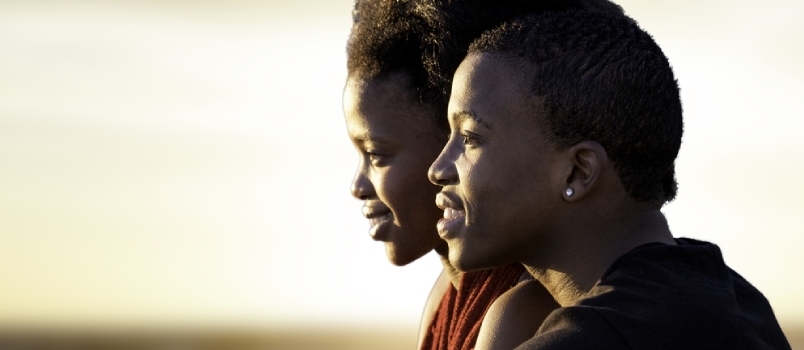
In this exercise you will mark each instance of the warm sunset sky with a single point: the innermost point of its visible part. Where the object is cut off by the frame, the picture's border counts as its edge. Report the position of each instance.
(187, 162)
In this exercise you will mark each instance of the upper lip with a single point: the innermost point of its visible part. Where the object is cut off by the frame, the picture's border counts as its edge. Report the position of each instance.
(374, 210)
(446, 200)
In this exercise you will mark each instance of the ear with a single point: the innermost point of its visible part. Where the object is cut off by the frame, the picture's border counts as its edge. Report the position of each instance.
(587, 160)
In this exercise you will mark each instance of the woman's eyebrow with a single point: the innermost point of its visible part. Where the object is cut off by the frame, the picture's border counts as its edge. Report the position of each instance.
(370, 138)
(462, 115)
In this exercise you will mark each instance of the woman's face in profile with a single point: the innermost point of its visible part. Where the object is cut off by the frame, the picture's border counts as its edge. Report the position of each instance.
(503, 178)
(397, 139)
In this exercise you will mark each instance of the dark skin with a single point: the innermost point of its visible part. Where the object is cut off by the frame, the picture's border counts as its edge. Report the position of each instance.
(397, 140)
(503, 329)
(504, 183)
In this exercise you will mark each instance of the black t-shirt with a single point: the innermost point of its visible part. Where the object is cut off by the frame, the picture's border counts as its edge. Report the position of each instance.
(659, 296)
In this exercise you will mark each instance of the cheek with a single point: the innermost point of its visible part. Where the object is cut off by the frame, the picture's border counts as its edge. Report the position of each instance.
(404, 189)
(480, 175)
(419, 212)
(383, 180)
(417, 189)
(492, 186)
(477, 191)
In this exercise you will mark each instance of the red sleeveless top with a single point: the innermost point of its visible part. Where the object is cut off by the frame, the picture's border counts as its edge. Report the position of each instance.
(456, 323)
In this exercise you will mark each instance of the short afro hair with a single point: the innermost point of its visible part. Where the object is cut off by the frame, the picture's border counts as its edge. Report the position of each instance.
(601, 78)
(427, 39)
(388, 38)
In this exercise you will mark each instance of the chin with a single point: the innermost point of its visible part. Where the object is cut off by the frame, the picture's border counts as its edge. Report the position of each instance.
(397, 257)
(468, 261)
(396, 261)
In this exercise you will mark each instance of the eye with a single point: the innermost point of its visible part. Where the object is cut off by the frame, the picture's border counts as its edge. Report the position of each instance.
(376, 158)
(471, 139)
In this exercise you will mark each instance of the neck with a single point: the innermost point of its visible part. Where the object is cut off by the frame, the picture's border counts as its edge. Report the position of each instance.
(571, 265)
(454, 274)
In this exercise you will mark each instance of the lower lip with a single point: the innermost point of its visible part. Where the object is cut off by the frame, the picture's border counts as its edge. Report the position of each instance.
(376, 230)
(449, 227)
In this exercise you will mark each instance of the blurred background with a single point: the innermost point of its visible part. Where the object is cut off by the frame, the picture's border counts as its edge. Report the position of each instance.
(177, 172)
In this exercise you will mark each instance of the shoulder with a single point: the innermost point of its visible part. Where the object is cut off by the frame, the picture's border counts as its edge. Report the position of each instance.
(576, 327)
(654, 293)
(515, 316)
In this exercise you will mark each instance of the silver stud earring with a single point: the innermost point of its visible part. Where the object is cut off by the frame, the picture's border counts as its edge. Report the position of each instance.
(569, 192)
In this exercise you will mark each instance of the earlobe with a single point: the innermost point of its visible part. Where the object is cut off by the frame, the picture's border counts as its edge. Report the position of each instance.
(588, 160)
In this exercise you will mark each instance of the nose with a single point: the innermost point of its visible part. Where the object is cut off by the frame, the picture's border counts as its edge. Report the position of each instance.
(361, 186)
(442, 172)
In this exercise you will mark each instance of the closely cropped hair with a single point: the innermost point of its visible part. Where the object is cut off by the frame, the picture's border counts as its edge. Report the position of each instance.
(457, 23)
(427, 39)
(604, 79)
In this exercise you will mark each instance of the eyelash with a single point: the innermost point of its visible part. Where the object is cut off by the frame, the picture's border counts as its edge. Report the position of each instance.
(471, 139)
(375, 158)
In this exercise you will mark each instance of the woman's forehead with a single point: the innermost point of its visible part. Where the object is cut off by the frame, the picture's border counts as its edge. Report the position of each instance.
(386, 109)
